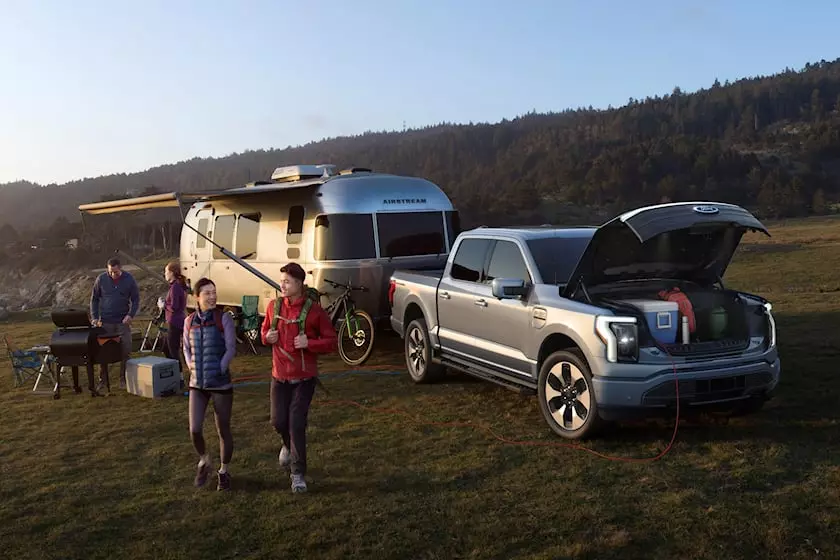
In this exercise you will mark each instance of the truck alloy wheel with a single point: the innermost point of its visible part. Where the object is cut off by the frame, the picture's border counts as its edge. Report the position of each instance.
(565, 394)
(418, 354)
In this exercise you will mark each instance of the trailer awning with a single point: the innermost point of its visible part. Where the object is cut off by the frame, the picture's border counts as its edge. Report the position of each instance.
(175, 199)
(166, 200)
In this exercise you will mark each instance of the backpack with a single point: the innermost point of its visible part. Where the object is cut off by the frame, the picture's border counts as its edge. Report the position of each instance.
(217, 318)
(311, 296)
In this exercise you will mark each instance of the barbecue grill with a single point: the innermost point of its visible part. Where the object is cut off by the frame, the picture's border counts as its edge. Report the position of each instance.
(77, 343)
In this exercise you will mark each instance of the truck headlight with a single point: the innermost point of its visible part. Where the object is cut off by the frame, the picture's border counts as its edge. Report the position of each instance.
(620, 335)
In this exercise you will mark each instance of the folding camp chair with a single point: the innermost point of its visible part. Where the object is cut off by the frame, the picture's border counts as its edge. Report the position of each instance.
(159, 323)
(26, 364)
(249, 320)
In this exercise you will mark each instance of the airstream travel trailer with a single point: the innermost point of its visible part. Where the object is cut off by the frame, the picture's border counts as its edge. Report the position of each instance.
(353, 227)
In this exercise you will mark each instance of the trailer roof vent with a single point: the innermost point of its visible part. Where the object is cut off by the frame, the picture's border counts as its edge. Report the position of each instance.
(292, 173)
(351, 170)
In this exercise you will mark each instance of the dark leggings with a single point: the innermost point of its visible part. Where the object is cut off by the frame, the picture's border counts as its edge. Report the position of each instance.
(289, 416)
(172, 342)
(222, 407)
(172, 348)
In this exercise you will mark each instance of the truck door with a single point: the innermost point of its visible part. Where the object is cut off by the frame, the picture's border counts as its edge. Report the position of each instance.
(458, 295)
(502, 326)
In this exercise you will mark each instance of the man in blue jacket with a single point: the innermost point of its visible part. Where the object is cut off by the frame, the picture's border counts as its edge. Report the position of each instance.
(114, 301)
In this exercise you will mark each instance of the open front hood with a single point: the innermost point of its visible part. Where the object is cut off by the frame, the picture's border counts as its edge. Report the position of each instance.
(687, 241)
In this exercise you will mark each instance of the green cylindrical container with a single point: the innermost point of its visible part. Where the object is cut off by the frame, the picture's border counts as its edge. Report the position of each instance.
(717, 322)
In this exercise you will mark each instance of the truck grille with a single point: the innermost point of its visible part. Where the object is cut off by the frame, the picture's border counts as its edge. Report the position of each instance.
(733, 345)
(699, 391)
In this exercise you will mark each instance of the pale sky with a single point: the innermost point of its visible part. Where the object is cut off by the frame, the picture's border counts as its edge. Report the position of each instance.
(93, 87)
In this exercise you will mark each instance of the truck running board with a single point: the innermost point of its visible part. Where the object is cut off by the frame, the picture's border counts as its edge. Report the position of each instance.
(507, 381)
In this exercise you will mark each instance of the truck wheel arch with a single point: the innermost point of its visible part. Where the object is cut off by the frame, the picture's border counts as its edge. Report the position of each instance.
(555, 342)
(412, 311)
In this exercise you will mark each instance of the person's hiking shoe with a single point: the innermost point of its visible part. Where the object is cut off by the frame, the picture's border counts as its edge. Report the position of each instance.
(285, 457)
(224, 482)
(298, 484)
(201, 475)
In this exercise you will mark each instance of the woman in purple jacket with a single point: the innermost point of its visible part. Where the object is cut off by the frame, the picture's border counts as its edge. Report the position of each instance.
(175, 311)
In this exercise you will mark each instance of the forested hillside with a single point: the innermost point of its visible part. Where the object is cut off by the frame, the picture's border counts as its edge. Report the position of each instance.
(771, 143)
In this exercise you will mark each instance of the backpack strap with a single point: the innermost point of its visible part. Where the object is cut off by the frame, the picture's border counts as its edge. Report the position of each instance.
(307, 303)
(217, 318)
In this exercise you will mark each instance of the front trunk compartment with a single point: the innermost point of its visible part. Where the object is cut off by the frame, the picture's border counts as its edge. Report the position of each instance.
(726, 321)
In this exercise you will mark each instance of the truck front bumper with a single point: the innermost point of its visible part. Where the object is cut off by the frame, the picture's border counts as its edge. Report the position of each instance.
(714, 385)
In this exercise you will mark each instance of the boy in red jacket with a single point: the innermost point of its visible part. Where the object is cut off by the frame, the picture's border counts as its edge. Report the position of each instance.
(295, 365)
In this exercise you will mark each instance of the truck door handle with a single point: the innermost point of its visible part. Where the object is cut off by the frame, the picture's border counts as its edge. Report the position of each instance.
(444, 295)
(480, 302)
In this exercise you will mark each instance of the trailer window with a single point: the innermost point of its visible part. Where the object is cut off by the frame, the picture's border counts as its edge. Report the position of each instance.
(406, 234)
(453, 226)
(247, 230)
(344, 236)
(200, 242)
(294, 229)
(223, 235)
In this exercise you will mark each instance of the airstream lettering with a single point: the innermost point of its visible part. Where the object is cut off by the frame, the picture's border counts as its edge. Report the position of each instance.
(353, 227)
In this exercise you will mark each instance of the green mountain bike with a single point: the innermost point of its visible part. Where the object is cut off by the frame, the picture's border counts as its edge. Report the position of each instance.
(355, 335)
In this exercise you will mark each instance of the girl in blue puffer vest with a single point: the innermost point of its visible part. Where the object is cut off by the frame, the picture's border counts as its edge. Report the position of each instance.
(209, 346)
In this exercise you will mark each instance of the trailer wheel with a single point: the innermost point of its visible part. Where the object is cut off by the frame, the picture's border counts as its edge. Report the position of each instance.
(418, 354)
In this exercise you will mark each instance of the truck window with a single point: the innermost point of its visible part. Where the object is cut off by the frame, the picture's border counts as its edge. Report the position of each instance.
(507, 262)
(247, 230)
(223, 234)
(557, 257)
(200, 242)
(405, 234)
(468, 264)
(294, 227)
(344, 236)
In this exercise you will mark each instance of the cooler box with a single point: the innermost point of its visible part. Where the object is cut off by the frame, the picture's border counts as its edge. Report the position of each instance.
(153, 376)
(662, 317)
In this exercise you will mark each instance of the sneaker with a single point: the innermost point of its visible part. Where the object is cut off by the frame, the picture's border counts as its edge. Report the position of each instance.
(201, 475)
(298, 484)
(100, 387)
(224, 482)
(285, 457)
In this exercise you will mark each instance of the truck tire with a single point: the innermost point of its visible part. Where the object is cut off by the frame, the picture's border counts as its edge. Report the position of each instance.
(418, 354)
(566, 396)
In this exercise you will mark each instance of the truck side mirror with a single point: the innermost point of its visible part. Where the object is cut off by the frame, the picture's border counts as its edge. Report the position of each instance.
(509, 288)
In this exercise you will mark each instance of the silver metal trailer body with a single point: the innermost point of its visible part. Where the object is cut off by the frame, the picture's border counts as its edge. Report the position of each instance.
(353, 228)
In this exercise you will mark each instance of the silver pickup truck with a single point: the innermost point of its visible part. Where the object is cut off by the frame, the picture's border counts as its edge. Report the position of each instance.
(595, 321)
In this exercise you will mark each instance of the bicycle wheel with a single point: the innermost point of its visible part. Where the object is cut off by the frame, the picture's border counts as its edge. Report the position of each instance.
(355, 338)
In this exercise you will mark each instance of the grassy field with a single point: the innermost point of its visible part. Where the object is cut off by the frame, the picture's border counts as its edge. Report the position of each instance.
(99, 478)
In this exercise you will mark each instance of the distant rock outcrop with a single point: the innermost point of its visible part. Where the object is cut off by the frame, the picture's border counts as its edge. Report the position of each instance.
(58, 288)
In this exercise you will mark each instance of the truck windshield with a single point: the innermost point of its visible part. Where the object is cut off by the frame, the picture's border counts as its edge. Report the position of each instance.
(557, 257)
(406, 234)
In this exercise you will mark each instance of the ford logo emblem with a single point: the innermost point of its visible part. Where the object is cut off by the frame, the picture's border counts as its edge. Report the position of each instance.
(706, 209)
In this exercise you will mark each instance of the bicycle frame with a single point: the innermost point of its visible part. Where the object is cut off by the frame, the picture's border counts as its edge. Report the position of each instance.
(343, 301)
